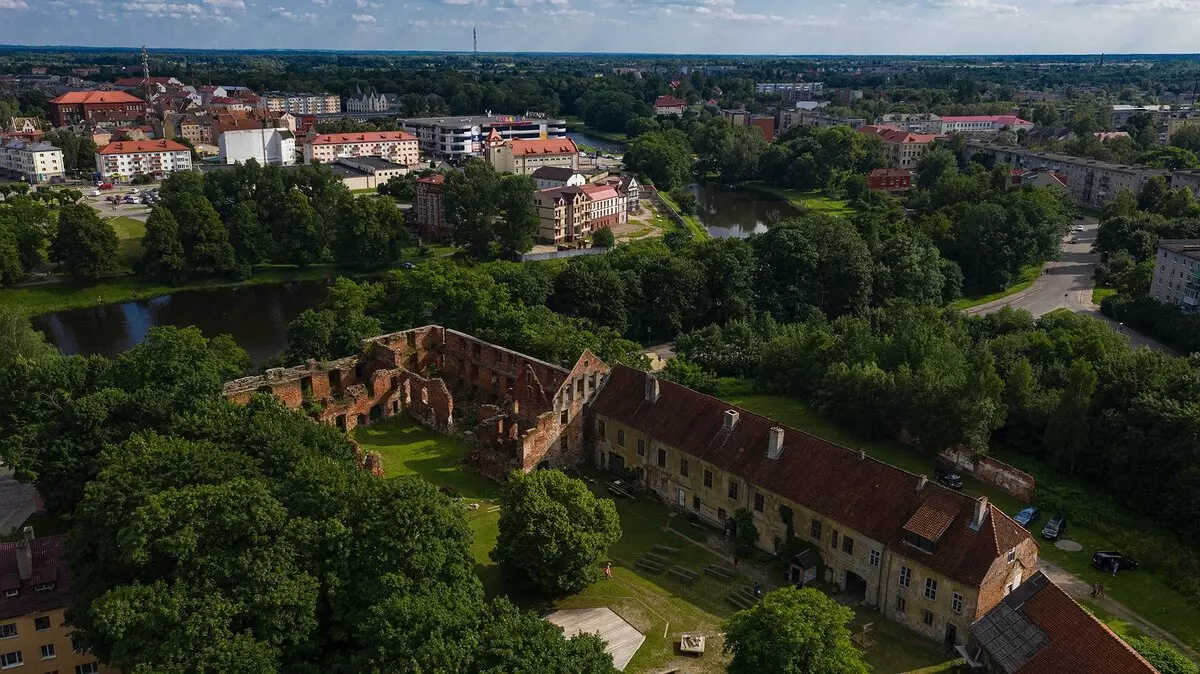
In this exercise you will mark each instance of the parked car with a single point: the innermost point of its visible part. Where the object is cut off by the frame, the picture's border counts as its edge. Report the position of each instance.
(94, 193)
(1074, 239)
(408, 265)
(104, 186)
(1104, 560)
(1027, 516)
(948, 479)
(1055, 528)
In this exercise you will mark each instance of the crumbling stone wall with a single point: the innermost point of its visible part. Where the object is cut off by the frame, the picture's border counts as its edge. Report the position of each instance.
(1006, 478)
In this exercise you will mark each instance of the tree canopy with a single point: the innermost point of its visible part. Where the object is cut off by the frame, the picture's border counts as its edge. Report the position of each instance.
(793, 631)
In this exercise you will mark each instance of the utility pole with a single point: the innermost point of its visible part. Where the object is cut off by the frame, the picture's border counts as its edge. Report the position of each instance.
(475, 41)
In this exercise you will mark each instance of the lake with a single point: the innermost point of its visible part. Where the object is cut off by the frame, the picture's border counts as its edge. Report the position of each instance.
(740, 213)
(602, 145)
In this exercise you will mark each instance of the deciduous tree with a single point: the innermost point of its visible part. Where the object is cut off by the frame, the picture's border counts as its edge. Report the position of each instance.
(793, 631)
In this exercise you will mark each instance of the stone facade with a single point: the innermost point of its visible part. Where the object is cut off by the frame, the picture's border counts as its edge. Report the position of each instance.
(518, 412)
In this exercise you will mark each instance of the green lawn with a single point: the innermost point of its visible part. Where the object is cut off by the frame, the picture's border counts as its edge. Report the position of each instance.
(129, 238)
(410, 449)
(693, 223)
(1025, 279)
(814, 200)
(1102, 291)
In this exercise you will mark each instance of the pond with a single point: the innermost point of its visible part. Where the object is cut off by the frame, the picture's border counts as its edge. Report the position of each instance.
(256, 316)
(740, 213)
(602, 145)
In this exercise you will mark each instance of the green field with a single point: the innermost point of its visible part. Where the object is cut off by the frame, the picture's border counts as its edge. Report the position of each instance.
(129, 238)
(693, 223)
(1102, 291)
(813, 200)
(1025, 279)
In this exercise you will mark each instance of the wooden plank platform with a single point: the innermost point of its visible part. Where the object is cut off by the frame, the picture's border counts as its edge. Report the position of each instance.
(621, 640)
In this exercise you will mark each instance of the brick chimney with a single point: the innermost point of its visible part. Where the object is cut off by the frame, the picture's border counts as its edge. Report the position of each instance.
(774, 442)
(921, 482)
(652, 388)
(981, 510)
(731, 419)
(25, 554)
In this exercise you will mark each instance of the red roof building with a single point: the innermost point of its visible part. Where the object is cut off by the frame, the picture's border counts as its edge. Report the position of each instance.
(670, 105)
(124, 159)
(523, 157)
(428, 216)
(606, 206)
(395, 146)
(892, 181)
(904, 149)
(83, 106)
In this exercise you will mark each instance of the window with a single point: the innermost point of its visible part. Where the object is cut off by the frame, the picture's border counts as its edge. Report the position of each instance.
(927, 617)
(833, 540)
(41, 624)
(662, 458)
(930, 589)
(759, 502)
(683, 467)
(707, 478)
(847, 545)
(47, 651)
(8, 631)
(905, 576)
(956, 603)
(696, 502)
(733, 490)
(641, 447)
(1012, 555)
(89, 668)
(814, 531)
(621, 437)
(12, 659)
(901, 604)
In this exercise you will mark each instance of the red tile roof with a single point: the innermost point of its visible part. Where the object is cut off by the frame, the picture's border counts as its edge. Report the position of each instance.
(433, 180)
(48, 566)
(133, 147)
(600, 192)
(669, 102)
(870, 496)
(895, 135)
(364, 137)
(95, 97)
(543, 146)
(889, 173)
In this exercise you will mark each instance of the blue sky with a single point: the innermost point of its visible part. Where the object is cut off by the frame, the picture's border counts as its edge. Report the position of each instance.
(687, 26)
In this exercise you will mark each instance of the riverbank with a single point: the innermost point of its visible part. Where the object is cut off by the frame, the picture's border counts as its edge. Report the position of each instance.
(576, 125)
(805, 200)
(690, 222)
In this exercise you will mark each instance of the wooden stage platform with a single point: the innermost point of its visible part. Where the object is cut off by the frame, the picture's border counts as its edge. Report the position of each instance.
(621, 640)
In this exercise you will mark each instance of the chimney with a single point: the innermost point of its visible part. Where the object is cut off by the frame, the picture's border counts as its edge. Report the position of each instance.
(921, 482)
(981, 510)
(731, 419)
(651, 388)
(774, 442)
(25, 554)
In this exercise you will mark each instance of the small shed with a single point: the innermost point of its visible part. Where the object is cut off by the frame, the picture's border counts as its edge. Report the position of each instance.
(804, 567)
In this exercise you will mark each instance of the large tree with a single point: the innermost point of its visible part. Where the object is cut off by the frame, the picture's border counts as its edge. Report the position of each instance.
(812, 262)
(518, 218)
(370, 233)
(83, 244)
(793, 631)
(162, 251)
(470, 202)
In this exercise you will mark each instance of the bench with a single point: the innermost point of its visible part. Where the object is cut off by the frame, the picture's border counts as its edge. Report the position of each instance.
(666, 550)
(683, 573)
(719, 572)
(651, 566)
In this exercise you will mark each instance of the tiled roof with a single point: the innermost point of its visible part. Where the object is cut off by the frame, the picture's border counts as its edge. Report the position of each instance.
(870, 496)
(669, 102)
(895, 135)
(543, 146)
(890, 173)
(365, 137)
(1039, 629)
(95, 97)
(931, 520)
(554, 173)
(48, 566)
(599, 192)
(132, 147)
(433, 180)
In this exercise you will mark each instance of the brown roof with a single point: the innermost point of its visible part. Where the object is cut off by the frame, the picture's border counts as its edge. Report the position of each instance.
(599, 192)
(433, 180)
(669, 102)
(931, 520)
(365, 137)
(892, 134)
(130, 147)
(95, 97)
(872, 497)
(48, 567)
(543, 146)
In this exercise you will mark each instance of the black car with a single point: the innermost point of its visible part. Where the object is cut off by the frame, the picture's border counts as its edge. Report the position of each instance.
(948, 479)
(1104, 560)
(1056, 528)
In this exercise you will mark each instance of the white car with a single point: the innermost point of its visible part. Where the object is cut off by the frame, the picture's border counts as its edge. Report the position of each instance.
(94, 193)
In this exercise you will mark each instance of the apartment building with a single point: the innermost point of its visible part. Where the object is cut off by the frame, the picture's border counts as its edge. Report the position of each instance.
(523, 157)
(764, 123)
(983, 123)
(266, 146)
(428, 216)
(563, 215)
(547, 177)
(904, 148)
(1177, 273)
(299, 103)
(1089, 181)
(1188, 178)
(932, 559)
(781, 87)
(606, 206)
(124, 159)
(913, 122)
(629, 189)
(37, 591)
(85, 106)
(456, 138)
(33, 162)
(395, 146)
(669, 105)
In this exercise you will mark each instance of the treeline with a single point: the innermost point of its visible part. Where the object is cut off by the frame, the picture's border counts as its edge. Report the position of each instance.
(73, 236)
(212, 536)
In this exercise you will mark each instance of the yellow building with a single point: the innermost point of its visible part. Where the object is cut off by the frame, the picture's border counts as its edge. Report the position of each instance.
(36, 589)
(926, 556)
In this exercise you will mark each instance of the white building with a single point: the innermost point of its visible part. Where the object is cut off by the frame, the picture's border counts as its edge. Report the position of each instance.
(397, 147)
(300, 104)
(30, 161)
(548, 177)
(461, 137)
(124, 159)
(371, 101)
(266, 146)
(1177, 273)
(980, 123)
(780, 87)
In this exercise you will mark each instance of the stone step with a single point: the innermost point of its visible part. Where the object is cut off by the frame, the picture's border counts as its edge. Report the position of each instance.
(666, 550)
(651, 566)
(655, 558)
(684, 573)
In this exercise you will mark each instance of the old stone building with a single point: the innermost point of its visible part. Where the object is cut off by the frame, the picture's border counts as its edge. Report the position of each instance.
(519, 412)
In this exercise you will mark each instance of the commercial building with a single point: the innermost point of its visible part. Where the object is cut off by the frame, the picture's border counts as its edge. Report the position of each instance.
(461, 137)
(87, 106)
(523, 157)
(914, 122)
(125, 159)
(371, 101)
(1038, 629)
(984, 123)
(1089, 181)
(670, 105)
(1177, 273)
(33, 162)
(37, 592)
(395, 146)
(904, 148)
(547, 177)
(890, 180)
(564, 215)
(299, 103)
(428, 216)
(266, 146)
(932, 559)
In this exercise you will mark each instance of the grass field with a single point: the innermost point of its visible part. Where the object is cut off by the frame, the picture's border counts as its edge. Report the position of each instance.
(1102, 291)
(1025, 279)
(129, 238)
(813, 200)
(693, 223)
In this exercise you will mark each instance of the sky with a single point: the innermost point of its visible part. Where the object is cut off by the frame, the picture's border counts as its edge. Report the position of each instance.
(644, 26)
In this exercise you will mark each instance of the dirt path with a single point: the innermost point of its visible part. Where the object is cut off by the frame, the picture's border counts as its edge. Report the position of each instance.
(1079, 589)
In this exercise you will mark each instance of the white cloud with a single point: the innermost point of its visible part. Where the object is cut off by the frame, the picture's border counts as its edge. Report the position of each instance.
(226, 4)
(985, 6)
(363, 18)
(464, 2)
(303, 17)
(13, 4)
(366, 4)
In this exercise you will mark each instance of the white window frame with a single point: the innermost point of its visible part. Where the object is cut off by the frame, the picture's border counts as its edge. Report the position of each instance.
(905, 576)
(8, 631)
(53, 653)
(956, 602)
(931, 589)
(4, 660)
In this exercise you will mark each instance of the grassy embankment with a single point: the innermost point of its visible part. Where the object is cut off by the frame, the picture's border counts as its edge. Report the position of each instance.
(1025, 279)
(805, 200)
(690, 221)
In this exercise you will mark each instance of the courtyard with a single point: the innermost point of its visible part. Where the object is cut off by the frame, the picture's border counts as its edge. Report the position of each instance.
(661, 604)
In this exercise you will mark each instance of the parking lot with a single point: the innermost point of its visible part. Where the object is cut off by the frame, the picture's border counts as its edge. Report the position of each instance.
(101, 202)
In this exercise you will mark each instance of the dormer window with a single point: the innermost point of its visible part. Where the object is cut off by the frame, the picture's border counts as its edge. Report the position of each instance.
(1012, 555)
(919, 542)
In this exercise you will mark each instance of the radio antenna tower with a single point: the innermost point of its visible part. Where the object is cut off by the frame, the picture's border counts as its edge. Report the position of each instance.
(145, 73)
(475, 41)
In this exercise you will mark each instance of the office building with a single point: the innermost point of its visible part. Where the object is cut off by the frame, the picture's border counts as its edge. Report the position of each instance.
(457, 138)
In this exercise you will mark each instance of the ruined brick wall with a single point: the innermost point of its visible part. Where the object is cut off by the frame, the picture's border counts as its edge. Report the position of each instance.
(1004, 477)
(490, 373)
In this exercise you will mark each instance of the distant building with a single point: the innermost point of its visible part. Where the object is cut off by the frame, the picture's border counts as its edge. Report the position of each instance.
(428, 216)
(462, 137)
(780, 87)
(85, 106)
(155, 85)
(210, 91)
(523, 157)
(816, 118)
(914, 122)
(669, 105)
(265, 146)
(395, 146)
(1175, 124)
(890, 180)
(1121, 113)
(904, 149)
(123, 160)
(299, 103)
(33, 162)
(765, 123)
(983, 123)
(1177, 273)
(1105, 136)
(371, 101)
(380, 169)
(1186, 178)
(547, 177)
(1039, 177)
(22, 125)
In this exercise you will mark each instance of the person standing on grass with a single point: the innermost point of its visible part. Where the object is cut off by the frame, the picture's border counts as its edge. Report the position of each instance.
(608, 570)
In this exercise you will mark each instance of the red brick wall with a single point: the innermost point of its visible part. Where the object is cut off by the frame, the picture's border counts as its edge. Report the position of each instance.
(1008, 479)
(1004, 573)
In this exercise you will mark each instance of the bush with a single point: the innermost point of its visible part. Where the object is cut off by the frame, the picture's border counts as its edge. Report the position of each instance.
(684, 199)
(1163, 656)
(746, 541)
(603, 238)
(142, 179)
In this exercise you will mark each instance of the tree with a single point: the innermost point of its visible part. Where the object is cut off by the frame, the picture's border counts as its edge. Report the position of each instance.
(554, 531)
(1187, 138)
(933, 165)
(370, 233)
(1068, 433)
(793, 631)
(204, 237)
(301, 234)
(1163, 656)
(469, 200)
(1152, 193)
(162, 252)
(665, 157)
(746, 539)
(603, 238)
(686, 373)
(250, 240)
(18, 340)
(83, 244)
(27, 223)
(518, 217)
(812, 262)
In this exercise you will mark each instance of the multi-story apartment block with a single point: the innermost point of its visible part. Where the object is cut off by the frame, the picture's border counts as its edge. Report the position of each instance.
(33, 162)
(904, 149)
(781, 87)
(371, 101)
(85, 106)
(547, 177)
(37, 591)
(606, 206)
(300, 104)
(670, 105)
(523, 157)
(914, 122)
(1177, 273)
(984, 123)
(1089, 181)
(462, 137)
(428, 216)
(928, 557)
(191, 129)
(1188, 178)
(266, 146)
(564, 214)
(124, 159)
(395, 146)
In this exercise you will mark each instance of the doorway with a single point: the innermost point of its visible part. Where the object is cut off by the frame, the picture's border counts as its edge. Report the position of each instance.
(951, 634)
(855, 587)
(616, 463)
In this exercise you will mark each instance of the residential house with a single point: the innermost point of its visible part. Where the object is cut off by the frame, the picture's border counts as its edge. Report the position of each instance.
(19, 125)
(890, 180)
(395, 146)
(462, 137)
(523, 157)
(547, 177)
(670, 105)
(903, 148)
(210, 91)
(1177, 273)
(31, 161)
(564, 215)
(266, 146)
(86, 106)
(123, 160)
(428, 216)
(606, 207)
(932, 559)
(231, 104)
(1105, 136)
